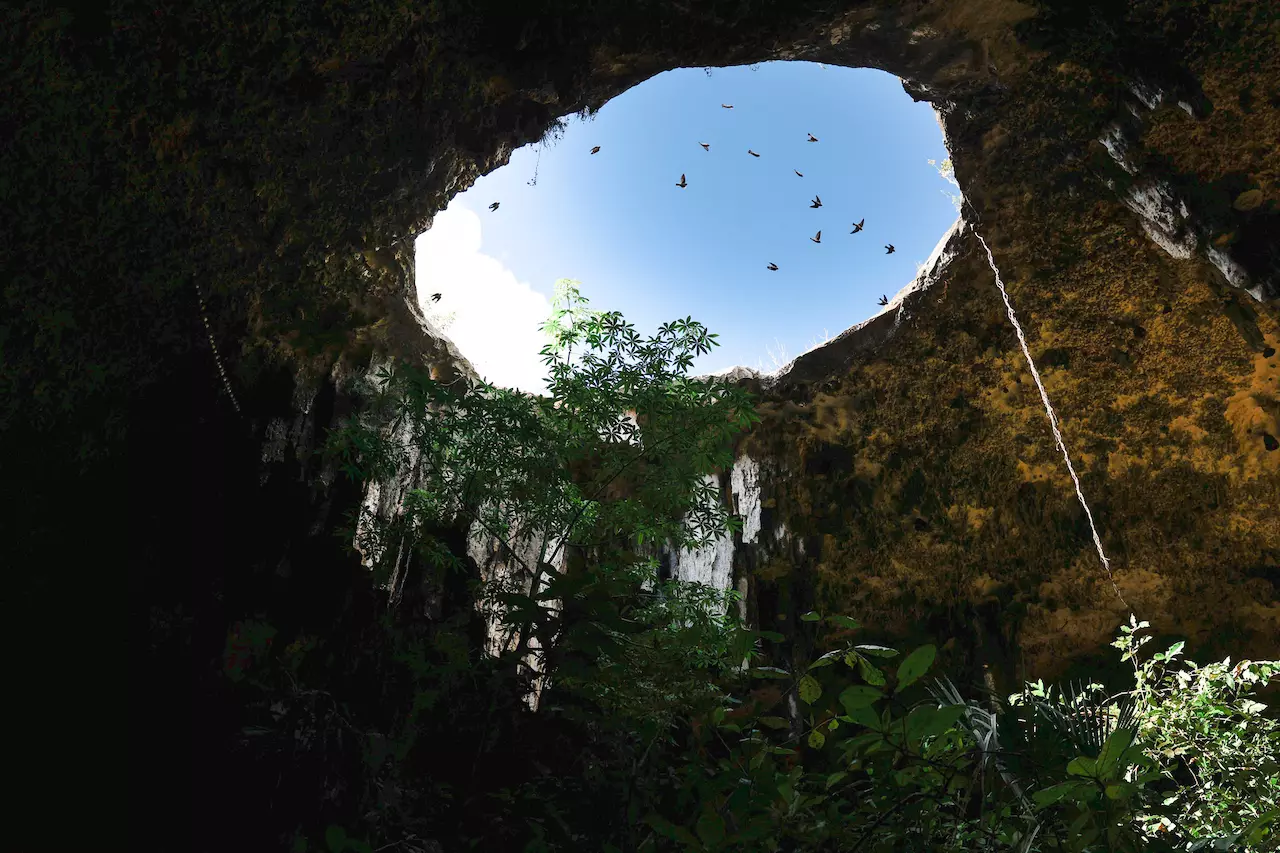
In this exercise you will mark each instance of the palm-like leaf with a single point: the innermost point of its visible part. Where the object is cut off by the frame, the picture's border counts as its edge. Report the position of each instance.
(1085, 715)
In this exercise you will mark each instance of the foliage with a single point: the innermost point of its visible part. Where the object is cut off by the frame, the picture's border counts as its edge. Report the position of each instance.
(572, 699)
(620, 452)
(1208, 738)
(863, 761)
(574, 490)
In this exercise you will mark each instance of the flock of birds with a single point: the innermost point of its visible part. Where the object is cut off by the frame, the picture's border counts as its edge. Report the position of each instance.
(815, 204)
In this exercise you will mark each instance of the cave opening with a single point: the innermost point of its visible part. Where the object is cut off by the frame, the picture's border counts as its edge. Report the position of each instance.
(770, 155)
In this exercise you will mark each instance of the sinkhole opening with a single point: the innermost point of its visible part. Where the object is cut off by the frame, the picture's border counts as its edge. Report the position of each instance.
(680, 196)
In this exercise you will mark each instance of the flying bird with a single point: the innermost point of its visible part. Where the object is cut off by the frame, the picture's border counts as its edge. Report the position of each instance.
(727, 106)
(798, 173)
(889, 250)
(883, 300)
(683, 183)
(817, 238)
(773, 267)
(493, 206)
(706, 146)
(817, 202)
(813, 138)
(752, 153)
(595, 150)
(435, 297)
(857, 226)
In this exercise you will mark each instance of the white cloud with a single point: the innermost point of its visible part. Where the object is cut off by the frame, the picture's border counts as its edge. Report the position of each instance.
(496, 316)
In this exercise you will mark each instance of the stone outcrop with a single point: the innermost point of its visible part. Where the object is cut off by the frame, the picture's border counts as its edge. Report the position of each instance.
(254, 177)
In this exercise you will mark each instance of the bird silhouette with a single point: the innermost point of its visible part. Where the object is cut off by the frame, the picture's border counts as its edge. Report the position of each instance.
(493, 206)
(727, 106)
(889, 250)
(798, 173)
(435, 297)
(773, 267)
(595, 150)
(752, 153)
(857, 226)
(683, 183)
(817, 202)
(883, 300)
(706, 146)
(817, 238)
(813, 138)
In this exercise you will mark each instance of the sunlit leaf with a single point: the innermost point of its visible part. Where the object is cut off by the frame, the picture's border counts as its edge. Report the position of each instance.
(870, 673)
(1083, 766)
(1109, 758)
(1120, 790)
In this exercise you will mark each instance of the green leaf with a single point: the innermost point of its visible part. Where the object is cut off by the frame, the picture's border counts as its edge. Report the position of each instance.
(916, 664)
(817, 739)
(1121, 790)
(859, 696)
(835, 777)
(870, 674)
(844, 622)
(1109, 758)
(1258, 829)
(771, 636)
(769, 672)
(335, 838)
(710, 828)
(865, 743)
(775, 722)
(926, 721)
(877, 651)
(810, 689)
(1063, 791)
(666, 828)
(1083, 766)
(811, 616)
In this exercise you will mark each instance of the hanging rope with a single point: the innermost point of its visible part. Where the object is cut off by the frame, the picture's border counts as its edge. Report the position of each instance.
(1053, 418)
(217, 357)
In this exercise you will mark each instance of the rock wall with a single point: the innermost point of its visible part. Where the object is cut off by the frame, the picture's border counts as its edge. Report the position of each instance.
(252, 177)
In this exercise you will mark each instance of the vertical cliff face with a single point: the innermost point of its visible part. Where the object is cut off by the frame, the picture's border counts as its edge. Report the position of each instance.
(912, 456)
(257, 189)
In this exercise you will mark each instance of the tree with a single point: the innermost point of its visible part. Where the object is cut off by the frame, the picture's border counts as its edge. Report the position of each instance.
(619, 458)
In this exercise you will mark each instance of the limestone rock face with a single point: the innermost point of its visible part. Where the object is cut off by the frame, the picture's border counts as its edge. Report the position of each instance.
(200, 174)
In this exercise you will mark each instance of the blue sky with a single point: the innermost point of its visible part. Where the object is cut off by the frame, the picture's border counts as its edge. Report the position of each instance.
(617, 222)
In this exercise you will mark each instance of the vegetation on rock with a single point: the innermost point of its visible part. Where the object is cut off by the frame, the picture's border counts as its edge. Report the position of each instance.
(645, 716)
